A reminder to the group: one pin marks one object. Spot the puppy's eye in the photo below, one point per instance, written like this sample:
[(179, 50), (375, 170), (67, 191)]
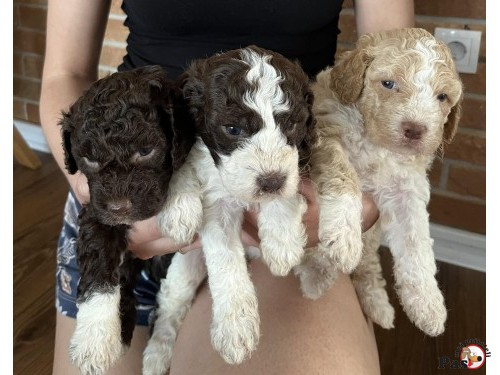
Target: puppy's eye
[(145, 151), (442, 97), (389, 84), (142, 154), (91, 163), (290, 127), (233, 131)]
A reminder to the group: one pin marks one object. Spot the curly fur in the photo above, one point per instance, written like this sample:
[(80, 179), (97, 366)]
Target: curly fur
[(253, 114), (127, 133), (383, 113)]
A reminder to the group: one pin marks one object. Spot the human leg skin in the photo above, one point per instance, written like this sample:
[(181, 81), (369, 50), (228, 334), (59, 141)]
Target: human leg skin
[(299, 336)]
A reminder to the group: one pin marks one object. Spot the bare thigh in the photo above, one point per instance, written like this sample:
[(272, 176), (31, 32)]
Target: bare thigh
[(129, 364), (298, 336)]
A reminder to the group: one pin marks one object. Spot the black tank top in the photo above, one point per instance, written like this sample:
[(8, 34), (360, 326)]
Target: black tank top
[(172, 33)]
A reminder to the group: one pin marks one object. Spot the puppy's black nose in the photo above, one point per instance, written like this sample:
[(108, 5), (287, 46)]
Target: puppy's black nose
[(271, 182), (479, 358), (119, 206), (413, 130)]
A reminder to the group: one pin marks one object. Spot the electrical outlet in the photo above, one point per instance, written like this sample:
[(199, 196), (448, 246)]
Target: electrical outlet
[(464, 46)]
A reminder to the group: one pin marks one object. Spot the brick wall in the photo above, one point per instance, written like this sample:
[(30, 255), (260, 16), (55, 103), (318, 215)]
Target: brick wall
[(458, 180)]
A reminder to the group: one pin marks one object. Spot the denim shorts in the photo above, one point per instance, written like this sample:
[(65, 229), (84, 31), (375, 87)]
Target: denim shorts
[(68, 274)]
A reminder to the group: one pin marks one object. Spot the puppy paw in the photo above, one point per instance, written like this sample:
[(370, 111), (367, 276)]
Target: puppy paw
[(316, 275), (157, 355), (376, 306), (181, 217), (96, 343), (235, 333), (426, 309), (283, 236), (340, 232), (280, 256)]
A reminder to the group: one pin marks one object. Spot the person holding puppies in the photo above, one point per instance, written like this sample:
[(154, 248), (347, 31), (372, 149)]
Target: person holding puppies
[(328, 336)]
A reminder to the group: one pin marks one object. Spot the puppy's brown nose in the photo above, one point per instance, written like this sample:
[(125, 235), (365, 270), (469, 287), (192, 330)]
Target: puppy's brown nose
[(271, 182), (119, 206), (413, 130)]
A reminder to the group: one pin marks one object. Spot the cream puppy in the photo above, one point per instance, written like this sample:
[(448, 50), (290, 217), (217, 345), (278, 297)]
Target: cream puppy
[(383, 113)]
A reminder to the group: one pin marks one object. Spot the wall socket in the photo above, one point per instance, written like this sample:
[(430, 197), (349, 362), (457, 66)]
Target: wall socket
[(464, 46)]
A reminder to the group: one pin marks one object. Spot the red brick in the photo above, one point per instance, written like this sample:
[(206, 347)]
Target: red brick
[(33, 66), (33, 17), (467, 181), (467, 148), (116, 31), (103, 73), (456, 213), (15, 11), (475, 83), (435, 173), (112, 56), (348, 4), (17, 65), (19, 110), (26, 89), (29, 41), (32, 2), (473, 114), (451, 8), (33, 112), (347, 26), (116, 7)]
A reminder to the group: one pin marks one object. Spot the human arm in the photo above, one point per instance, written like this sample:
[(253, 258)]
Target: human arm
[(75, 30)]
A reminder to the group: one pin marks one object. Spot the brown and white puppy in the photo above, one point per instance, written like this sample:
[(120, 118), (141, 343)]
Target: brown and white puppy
[(127, 133), (384, 111), (253, 114)]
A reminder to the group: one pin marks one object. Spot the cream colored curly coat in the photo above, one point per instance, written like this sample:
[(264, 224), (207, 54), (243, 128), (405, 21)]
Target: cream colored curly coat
[(383, 113)]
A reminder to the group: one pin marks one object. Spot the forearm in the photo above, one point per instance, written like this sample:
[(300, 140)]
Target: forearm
[(75, 31), (378, 15), (58, 94)]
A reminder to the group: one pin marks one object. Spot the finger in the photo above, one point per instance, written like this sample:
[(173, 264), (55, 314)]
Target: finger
[(150, 249), (370, 212), (144, 231), (196, 245), (82, 188)]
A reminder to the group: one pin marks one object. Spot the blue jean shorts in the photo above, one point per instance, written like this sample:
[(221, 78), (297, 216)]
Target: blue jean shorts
[(68, 274)]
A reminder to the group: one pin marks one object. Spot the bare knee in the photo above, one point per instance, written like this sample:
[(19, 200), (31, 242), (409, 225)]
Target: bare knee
[(298, 335)]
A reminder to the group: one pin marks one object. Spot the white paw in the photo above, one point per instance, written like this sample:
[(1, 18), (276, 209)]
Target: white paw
[(376, 305), (283, 256), (157, 355), (96, 343), (425, 308), (235, 333), (340, 233), (181, 217), (316, 275)]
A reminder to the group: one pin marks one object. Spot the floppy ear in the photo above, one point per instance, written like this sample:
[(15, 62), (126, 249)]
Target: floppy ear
[(175, 120), (193, 89), (347, 76), (66, 128), (451, 125), (182, 127), (310, 138), (156, 82)]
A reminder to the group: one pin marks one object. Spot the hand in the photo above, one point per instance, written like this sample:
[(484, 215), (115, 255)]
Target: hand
[(310, 219), (146, 241), (80, 187)]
